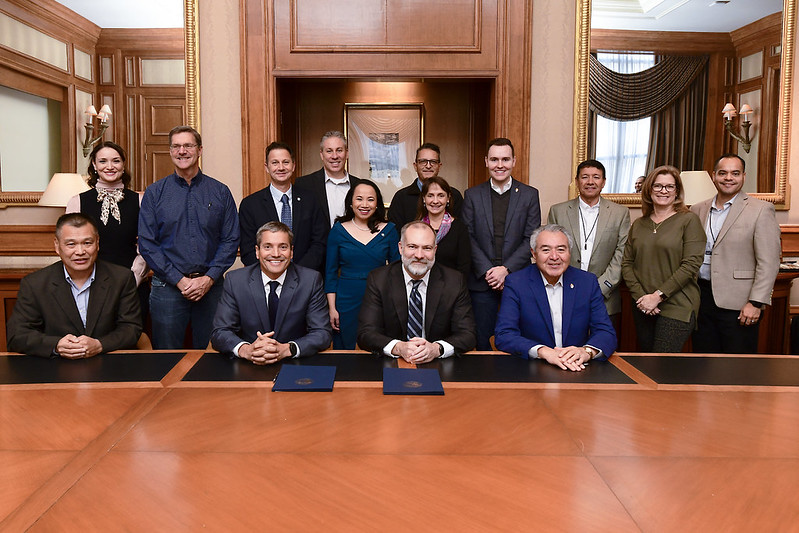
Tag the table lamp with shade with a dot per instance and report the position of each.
(61, 188)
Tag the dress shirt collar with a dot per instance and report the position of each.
(584, 206)
(280, 279)
(505, 188)
(85, 285)
(337, 181)
(196, 179)
(546, 283)
(419, 183)
(727, 204)
(277, 196)
(408, 278)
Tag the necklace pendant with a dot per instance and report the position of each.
(655, 230)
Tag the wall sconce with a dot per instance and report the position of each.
(102, 117)
(729, 112)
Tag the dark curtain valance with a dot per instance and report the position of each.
(641, 94)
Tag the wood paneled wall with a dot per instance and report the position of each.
(389, 40)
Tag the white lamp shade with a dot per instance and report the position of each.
(61, 188)
(698, 186)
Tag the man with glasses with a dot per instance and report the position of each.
(427, 165)
(188, 234)
(742, 259)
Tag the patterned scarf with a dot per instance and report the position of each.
(110, 198)
(445, 225)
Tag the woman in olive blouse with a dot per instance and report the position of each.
(661, 263)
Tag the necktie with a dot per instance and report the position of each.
(273, 303)
(285, 213)
(415, 318)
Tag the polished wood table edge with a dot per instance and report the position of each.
(78, 385)
(699, 387)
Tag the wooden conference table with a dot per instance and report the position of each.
(187, 441)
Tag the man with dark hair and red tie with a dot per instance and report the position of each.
(414, 308)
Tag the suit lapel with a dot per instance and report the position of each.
(568, 305)
(269, 205)
(736, 209)
(539, 296)
(296, 206)
(290, 285)
(258, 295)
(62, 294)
(485, 197)
(512, 203)
(435, 287)
(573, 218)
(399, 298)
(98, 293)
(321, 192)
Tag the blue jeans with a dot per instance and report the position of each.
(171, 313)
(486, 306)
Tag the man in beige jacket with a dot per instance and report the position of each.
(742, 258)
(599, 229)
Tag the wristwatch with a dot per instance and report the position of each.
(591, 351)
(293, 348)
(660, 293)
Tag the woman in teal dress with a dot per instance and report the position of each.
(360, 241)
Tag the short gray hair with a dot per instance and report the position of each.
(333, 133)
(274, 226)
(553, 228)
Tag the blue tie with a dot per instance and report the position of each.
(285, 213)
(415, 319)
(273, 302)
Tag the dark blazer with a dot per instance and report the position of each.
(406, 200)
(302, 314)
(384, 312)
(309, 226)
(523, 218)
(524, 318)
(45, 310)
(315, 182)
(455, 249)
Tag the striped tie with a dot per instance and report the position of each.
(415, 319)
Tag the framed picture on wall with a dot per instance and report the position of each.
(382, 140)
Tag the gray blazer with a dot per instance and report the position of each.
(302, 314)
(612, 227)
(524, 217)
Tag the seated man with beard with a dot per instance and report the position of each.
(416, 309)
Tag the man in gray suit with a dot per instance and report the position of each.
(599, 230)
(500, 214)
(742, 259)
(273, 309)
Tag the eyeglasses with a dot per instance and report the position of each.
(428, 162)
(670, 187)
(177, 147)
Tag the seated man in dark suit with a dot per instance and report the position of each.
(77, 307)
(405, 202)
(290, 204)
(416, 309)
(273, 309)
(554, 311)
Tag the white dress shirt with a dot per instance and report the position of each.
(336, 190)
(449, 350)
(715, 220)
(589, 218)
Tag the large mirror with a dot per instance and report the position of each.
(145, 153)
(736, 71)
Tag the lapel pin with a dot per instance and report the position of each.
(571, 285)
(516, 189)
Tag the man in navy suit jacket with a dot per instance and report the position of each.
(553, 311)
(304, 216)
(273, 309)
(500, 214)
